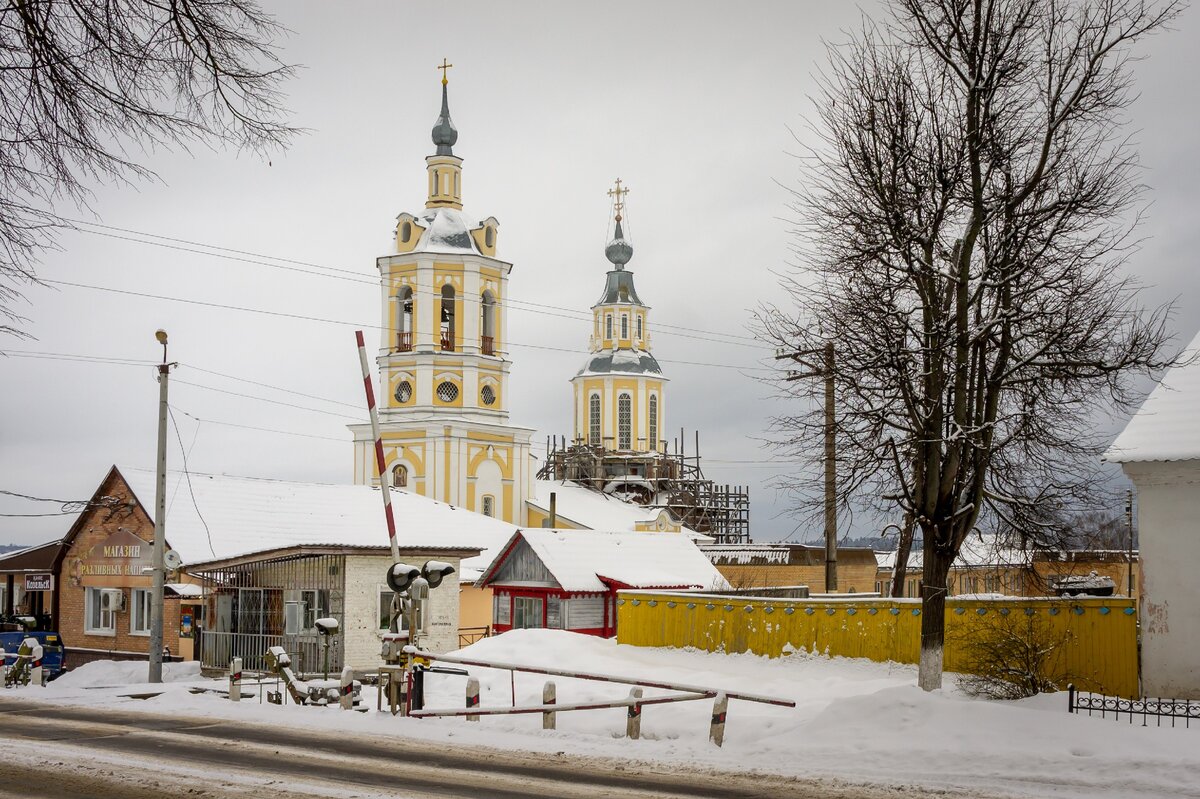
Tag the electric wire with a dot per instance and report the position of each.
(355, 276)
(346, 323)
(188, 476)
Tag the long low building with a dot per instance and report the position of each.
(261, 561)
(769, 565)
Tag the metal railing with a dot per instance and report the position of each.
(404, 342)
(469, 635)
(447, 341)
(487, 344)
(217, 649)
(1150, 708)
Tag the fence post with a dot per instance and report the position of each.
(1070, 697)
(472, 696)
(346, 689)
(36, 677)
(548, 698)
(235, 680)
(716, 732)
(633, 725)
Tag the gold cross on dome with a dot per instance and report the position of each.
(618, 193)
(443, 67)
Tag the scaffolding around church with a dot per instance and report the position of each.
(670, 479)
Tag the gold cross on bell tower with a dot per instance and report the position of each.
(618, 193)
(443, 67)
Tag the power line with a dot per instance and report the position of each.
(323, 320)
(277, 388)
(358, 277)
(264, 399)
(259, 429)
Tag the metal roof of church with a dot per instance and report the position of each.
(626, 362)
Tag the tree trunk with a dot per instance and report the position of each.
(933, 615)
(903, 547)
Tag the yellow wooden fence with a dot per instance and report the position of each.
(1096, 637)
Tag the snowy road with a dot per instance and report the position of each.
(70, 752)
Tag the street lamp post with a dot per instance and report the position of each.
(160, 520)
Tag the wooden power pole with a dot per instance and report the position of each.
(825, 370)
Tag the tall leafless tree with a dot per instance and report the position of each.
(965, 221)
(88, 86)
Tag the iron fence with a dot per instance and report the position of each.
(1154, 709)
(218, 649)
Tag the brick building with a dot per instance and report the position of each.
(773, 565)
(104, 581)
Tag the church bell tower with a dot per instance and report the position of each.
(443, 358)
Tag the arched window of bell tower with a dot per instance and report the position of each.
(594, 420)
(447, 324)
(624, 422)
(404, 319)
(487, 342)
(608, 325)
(652, 407)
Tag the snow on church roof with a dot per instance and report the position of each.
(446, 231)
(581, 560)
(244, 515)
(1167, 426)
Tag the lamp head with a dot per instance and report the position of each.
(161, 335)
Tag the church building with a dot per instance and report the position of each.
(443, 360)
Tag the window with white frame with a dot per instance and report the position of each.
(139, 611)
(624, 422)
(594, 420)
(527, 612)
(101, 619)
(639, 327)
(385, 611)
(608, 325)
(624, 326)
(501, 608)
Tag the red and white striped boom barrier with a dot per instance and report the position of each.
(380, 462)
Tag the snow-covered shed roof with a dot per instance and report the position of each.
(1167, 426)
(592, 560)
(594, 510)
(237, 516)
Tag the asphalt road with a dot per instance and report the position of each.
(55, 752)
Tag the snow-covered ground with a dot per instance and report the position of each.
(854, 720)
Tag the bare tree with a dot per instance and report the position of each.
(964, 224)
(88, 85)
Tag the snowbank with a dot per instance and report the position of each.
(855, 720)
(124, 673)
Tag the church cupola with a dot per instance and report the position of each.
(620, 391)
(444, 167)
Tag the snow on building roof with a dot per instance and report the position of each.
(594, 510)
(977, 551)
(244, 515)
(1167, 426)
(582, 560)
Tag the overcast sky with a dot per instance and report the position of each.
(692, 106)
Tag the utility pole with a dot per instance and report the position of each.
(826, 371)
(160, 520)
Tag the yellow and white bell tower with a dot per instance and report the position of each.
(620, 401)
(443, 359)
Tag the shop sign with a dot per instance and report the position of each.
(122, 554)
(39, 582)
